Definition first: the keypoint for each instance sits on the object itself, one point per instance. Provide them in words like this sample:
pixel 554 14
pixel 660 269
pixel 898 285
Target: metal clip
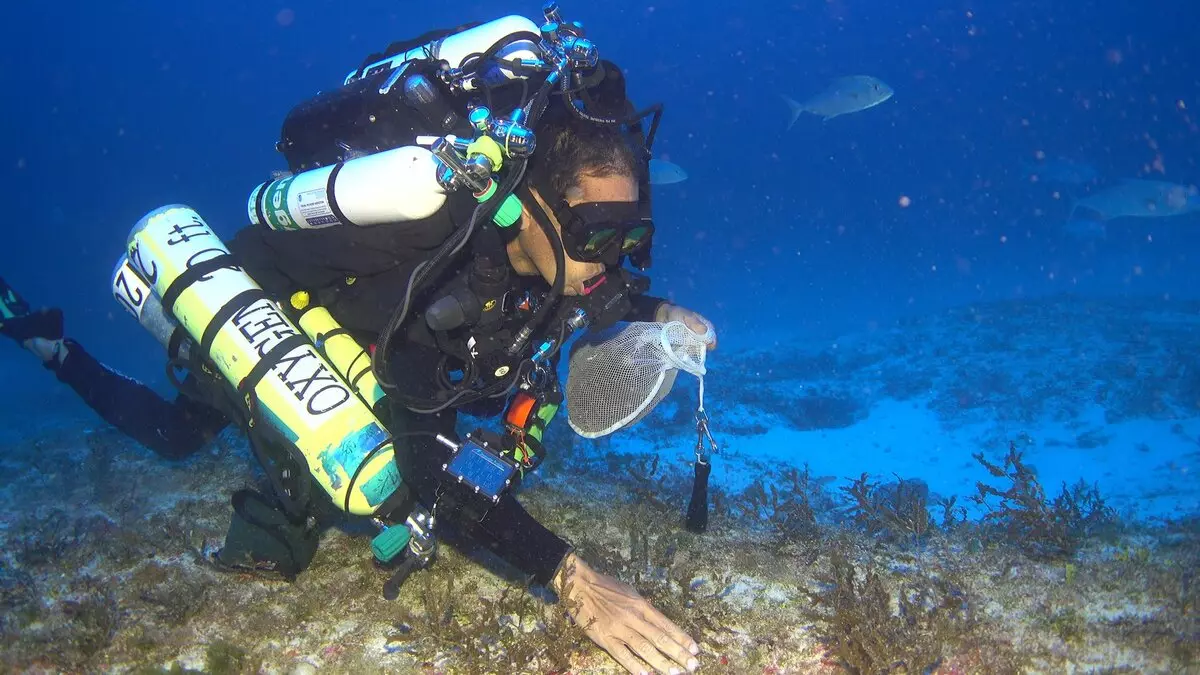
pixel 702 433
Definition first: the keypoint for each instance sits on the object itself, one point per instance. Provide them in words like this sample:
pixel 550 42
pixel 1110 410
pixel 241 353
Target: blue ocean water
pixel 108 105
pixel 910 271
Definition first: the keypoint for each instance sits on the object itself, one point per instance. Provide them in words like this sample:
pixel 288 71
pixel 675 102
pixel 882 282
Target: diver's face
pixel 531 253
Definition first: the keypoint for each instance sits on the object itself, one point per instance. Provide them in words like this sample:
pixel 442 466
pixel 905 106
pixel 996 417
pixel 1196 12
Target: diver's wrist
pixel 563 572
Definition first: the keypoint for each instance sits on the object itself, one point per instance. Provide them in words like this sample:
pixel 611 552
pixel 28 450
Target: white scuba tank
pixel 387 187
pixel 454 49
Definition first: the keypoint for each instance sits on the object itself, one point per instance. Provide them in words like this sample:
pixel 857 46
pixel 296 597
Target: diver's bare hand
pixel 699 325
pixel 621 622
pixel 46 349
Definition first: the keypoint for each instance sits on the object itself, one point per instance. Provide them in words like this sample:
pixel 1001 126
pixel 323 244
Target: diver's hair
pixel 569 148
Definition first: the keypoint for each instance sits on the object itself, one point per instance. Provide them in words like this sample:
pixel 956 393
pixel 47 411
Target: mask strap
pixel 540 215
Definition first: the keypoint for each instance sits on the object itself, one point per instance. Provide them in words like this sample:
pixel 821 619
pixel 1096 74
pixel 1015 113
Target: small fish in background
pixel 1137 198
pixel 1061 170
pixel 663 172
pixel 843 96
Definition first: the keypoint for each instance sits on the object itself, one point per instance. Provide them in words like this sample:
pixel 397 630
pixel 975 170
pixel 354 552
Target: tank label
pixel 353 450
pixel 312 207
pixel 300 370
pixel 130 290
pixel 382 485
pixel 274 205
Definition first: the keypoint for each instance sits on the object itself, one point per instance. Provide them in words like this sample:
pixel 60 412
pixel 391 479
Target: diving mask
pixel 603 231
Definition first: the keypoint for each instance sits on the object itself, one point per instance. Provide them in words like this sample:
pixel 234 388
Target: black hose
pixel 697 511
pixel 562 336
pixel 536 108
pixel 560 278
pixel 583 114
pixel 472 62
pixel 379 362
pixel 485 211
pixel 423 272
pixel 379 359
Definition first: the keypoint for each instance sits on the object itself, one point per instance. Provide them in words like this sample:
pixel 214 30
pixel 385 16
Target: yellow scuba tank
pixel 334 343
pixel 282 377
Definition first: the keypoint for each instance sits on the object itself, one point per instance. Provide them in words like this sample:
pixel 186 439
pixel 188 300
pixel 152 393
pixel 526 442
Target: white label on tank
pixel 313 208
pixel 300 369
pixel 130 290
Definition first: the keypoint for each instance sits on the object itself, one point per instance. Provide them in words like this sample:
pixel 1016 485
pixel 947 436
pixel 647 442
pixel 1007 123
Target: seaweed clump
pixel 895 510
pixel 1043 529
pixel 66 634
pixel 854 617
pixel 513 632
pixel 226 658
pixel 787 508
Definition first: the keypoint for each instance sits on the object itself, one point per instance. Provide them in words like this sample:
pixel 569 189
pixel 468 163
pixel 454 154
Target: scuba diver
pixel 462 205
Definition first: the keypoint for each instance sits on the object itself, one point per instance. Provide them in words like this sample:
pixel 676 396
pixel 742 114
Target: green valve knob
pixel 390 543
pixel 509 212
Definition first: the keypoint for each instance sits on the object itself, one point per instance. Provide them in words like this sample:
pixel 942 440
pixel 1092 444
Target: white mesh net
pixel 617 376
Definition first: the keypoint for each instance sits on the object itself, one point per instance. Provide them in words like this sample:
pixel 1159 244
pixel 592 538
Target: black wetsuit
pixel 173 429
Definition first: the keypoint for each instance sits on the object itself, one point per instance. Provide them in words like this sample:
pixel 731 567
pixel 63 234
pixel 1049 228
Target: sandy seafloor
pixel 99 571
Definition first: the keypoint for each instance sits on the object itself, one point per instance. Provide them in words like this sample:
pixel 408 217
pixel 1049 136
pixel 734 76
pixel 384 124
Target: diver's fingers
pixel 622 655
pixel 646 651
pixel 700 326
pixel 670 639
pixel 676 656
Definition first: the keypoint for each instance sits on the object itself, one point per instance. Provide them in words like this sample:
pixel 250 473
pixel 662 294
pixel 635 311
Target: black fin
pixel 19 322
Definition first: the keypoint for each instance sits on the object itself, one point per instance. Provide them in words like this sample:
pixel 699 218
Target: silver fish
pixel 844 95
pixel 663 172
pixel 1138 198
